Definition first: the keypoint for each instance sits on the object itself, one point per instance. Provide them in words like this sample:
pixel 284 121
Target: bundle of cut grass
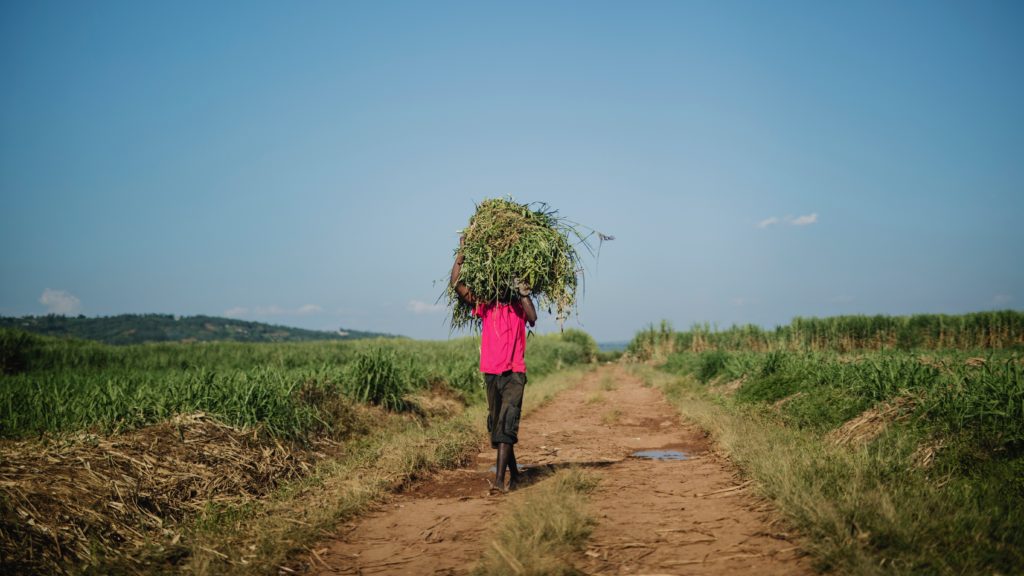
pixel 507 243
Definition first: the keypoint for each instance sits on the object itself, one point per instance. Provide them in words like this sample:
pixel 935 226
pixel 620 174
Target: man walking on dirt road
pixel 502 360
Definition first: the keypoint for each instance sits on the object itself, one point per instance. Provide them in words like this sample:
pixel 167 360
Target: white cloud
pixel 60 302
pixel 805 220
pixel 309 309
pixel 420 307
pixel 236 312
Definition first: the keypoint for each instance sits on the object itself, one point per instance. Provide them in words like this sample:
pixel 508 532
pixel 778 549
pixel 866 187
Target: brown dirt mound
pixel 65 500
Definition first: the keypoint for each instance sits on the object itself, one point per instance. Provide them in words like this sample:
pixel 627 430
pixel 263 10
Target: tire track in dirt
pixel 691 516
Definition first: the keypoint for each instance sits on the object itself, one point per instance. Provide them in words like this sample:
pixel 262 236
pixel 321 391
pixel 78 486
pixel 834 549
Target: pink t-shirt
pixel 502 337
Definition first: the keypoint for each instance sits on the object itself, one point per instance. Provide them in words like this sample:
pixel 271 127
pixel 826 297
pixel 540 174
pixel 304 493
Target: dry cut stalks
pixel 65 502
pixel 872 422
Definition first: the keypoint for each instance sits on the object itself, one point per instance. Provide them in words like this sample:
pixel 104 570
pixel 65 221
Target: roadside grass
pixel 869 507
pixel 263 536
pixel 546 524
pixel 256 540
pixel 596 398
pixel 607 382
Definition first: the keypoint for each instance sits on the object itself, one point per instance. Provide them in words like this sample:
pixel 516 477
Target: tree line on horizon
pixel 126 329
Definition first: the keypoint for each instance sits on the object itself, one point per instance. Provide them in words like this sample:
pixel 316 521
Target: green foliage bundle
pixel 507 243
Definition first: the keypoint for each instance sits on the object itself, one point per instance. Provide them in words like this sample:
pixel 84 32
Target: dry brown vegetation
pixel 86 494
pixel 872 422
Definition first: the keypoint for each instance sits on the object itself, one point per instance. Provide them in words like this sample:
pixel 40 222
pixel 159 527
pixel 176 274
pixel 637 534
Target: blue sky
pixel 310 163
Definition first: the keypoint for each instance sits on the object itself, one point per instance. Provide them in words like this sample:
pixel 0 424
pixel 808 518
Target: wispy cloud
pixel 805 220
pixel 1002 300
pixel 420 307
pixel 60 302
pixel 309 309
pixel 236 312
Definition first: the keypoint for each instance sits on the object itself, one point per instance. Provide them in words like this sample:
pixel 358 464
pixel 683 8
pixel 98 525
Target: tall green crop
pixel 289 390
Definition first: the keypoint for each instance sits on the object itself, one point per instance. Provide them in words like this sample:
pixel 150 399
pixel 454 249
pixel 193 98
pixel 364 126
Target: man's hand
pixel 459 256
pixel 460 287
pixel 524 299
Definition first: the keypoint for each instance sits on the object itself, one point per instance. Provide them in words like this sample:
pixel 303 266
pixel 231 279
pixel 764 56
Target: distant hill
pixel 139 328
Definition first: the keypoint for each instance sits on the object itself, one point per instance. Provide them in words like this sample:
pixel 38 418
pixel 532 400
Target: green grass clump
pixel 506 243
pixel 711 364
pixel 377 376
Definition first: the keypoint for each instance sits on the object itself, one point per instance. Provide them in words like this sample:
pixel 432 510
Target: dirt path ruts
pixel 666 517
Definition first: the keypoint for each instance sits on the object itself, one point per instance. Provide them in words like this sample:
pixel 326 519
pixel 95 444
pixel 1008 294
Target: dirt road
pixel 687 516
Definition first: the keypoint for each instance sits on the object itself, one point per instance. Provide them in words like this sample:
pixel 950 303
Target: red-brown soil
pixel 692 516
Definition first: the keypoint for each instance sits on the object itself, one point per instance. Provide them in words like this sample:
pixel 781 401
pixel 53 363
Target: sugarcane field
pixel 521 289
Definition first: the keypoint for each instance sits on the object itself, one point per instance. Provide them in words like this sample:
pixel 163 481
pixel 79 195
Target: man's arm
pixel 460 287
pixel 529 310
pixel 527 303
